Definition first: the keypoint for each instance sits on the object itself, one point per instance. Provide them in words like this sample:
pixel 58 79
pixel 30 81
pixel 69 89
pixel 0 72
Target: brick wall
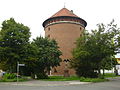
pixel 66 35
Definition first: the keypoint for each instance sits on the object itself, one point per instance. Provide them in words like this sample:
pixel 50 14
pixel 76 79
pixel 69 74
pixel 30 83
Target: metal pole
pixel 17 71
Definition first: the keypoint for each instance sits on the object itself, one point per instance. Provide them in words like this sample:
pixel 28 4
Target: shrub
pixel 82 78
pixel 41 76
pixel 9 76
pixel 86 72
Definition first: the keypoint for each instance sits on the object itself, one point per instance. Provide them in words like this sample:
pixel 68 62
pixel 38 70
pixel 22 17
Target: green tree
pixel 44 54
pixel 94 50
pixel 14 38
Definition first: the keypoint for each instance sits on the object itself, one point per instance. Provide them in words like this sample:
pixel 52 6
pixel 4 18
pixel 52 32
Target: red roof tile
pixel 64 12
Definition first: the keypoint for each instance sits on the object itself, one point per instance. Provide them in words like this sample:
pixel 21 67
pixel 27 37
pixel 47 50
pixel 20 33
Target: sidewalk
pixel 45 83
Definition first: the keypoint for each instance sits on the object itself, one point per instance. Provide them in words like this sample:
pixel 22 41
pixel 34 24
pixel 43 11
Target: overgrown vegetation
pixel 38 56
pixel 45 55
pixel 14 37
pixel 96 51
pixel 11 77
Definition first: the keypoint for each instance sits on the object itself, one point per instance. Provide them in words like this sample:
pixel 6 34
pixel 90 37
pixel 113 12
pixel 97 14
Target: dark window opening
pixel 80 28
pixel 49 28
pixel 80 35
pixel 48 36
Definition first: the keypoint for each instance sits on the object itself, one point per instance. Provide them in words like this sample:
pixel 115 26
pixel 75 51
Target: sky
pixel 33 13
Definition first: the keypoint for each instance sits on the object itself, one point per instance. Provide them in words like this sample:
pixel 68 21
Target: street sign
pixel 18 65
pixel 21 64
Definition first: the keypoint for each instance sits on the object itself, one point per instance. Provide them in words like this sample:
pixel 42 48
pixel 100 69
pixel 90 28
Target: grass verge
pixel 107 75
pixel 82 79
pixel 61 78
pixel 14 80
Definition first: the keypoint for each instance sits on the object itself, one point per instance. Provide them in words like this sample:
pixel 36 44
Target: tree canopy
pixel 39 55
pixel 95 50
pixel 43 55
pixel 13 39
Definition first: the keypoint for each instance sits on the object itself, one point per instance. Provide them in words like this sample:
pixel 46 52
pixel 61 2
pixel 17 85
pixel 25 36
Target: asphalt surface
pixel 113 84
pixel 44 83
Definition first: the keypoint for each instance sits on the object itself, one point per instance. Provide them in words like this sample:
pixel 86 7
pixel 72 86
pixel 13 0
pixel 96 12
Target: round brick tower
pixel 65 27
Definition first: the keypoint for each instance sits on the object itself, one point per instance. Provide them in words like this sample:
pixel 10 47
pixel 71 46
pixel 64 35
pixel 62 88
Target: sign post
pixel 18 65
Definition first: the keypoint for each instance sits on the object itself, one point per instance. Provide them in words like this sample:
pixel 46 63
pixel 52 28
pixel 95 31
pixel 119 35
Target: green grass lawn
pixel 82 79
pixel 61 78
pixel 110 75
pixel 14 80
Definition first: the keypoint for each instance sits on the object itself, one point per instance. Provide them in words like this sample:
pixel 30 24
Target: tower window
pixel 80 28
pixel 48 36
pixel 80 35
pixel 49 29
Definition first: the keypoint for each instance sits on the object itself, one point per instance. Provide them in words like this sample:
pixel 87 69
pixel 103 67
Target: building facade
pixel 65 27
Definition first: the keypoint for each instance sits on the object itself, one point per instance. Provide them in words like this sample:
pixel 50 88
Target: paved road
pixel 114 84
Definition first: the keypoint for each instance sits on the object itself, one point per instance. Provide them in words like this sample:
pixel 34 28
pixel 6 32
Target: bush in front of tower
pixel 41 76
pixel 86 72
pixel 83 69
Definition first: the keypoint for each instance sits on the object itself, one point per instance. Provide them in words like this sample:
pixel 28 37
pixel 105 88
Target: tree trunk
pixel 103 73
pixel 33 75
pixel 99 73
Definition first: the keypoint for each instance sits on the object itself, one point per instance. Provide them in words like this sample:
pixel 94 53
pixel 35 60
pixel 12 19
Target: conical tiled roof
pixel 64 12
pixel 64 15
